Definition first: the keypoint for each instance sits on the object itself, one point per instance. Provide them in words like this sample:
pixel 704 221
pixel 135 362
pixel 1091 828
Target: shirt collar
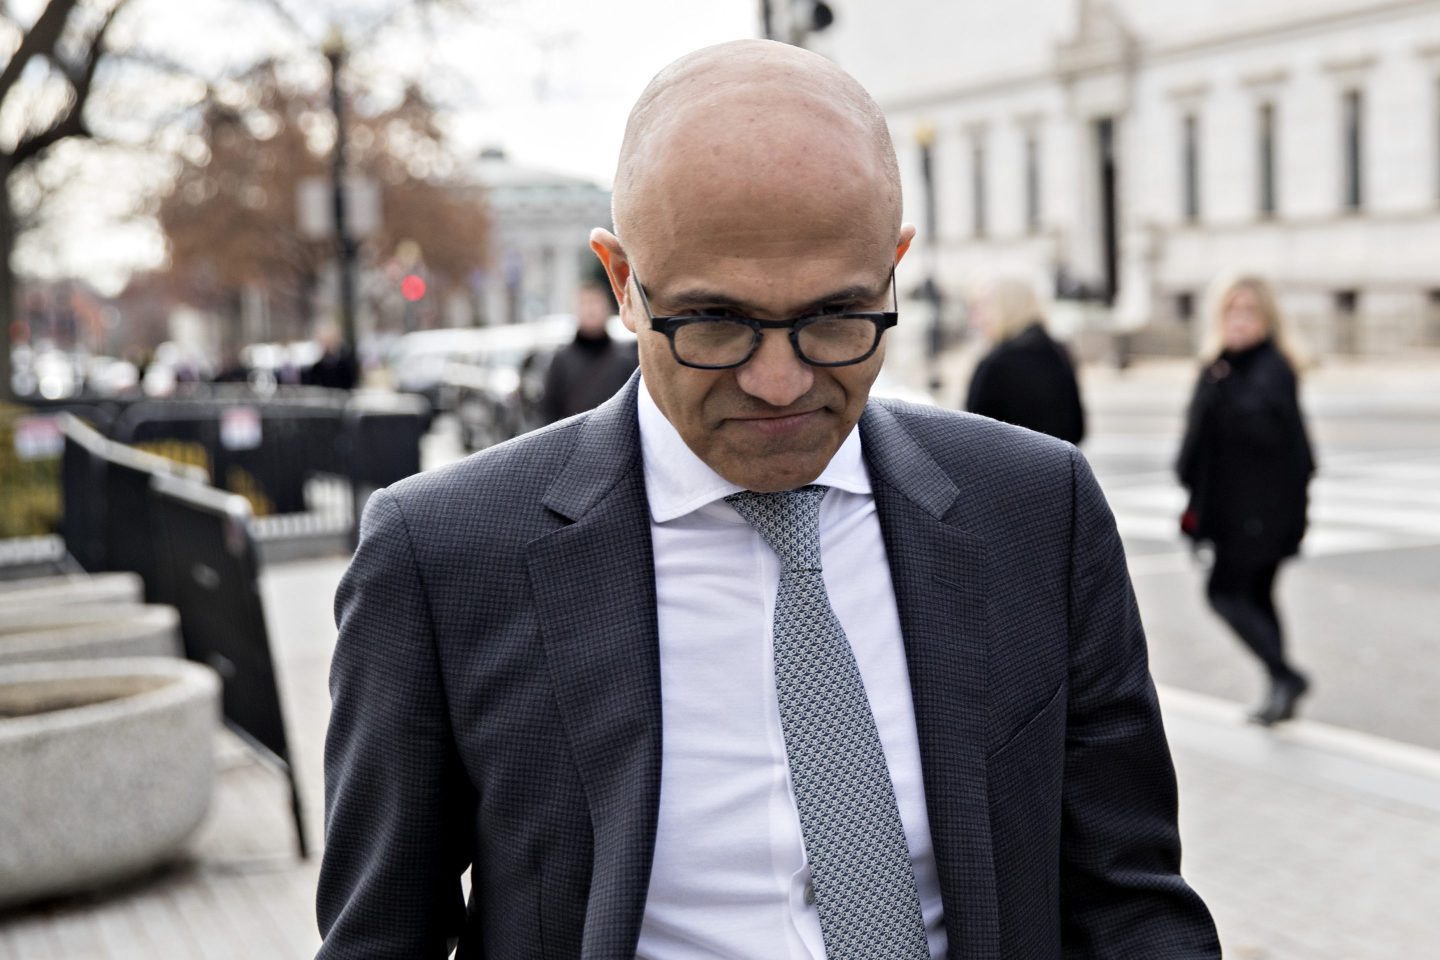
pixel 678 482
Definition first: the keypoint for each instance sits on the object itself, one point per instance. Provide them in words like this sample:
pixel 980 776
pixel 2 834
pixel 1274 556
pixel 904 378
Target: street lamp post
pixel 345 245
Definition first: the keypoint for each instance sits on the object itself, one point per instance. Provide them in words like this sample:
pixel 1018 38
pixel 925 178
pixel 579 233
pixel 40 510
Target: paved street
pixel 1320 841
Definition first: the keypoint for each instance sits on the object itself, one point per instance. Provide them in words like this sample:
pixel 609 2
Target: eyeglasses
pixel 718 341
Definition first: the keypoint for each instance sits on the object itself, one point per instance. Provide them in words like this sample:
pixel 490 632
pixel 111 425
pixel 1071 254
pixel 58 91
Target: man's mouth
pixel 775 424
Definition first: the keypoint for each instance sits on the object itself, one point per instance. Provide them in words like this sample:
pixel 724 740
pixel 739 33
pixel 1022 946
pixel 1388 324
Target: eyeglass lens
pixel 836 339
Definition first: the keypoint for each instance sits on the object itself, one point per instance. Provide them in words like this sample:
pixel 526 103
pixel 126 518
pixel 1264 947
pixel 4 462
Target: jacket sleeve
pixel 1121 893
pixel 1197 414
pixel 398 807
pixel 1076 402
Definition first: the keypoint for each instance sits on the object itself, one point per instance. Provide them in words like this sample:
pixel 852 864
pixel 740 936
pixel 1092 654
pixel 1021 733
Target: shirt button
pixel 810 893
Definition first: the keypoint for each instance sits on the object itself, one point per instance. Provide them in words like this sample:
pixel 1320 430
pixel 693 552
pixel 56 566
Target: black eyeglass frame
pixel 882 319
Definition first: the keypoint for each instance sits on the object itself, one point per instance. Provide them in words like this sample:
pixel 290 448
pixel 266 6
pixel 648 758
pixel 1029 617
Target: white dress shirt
pixel 729 874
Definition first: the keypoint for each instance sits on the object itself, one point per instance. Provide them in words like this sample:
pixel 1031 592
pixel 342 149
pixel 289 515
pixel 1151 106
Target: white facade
pixel 540 225
pixel 1356 258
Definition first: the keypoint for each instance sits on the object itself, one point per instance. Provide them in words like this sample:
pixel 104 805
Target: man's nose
pixel 775 374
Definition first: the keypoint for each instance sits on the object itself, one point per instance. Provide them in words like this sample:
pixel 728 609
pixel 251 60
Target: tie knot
pixel 789 522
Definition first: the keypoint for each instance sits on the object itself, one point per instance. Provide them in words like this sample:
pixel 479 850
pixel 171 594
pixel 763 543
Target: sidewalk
pixel 1309 843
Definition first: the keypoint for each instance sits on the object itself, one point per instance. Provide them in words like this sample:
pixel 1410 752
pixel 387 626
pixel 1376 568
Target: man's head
pixel 592 308
pixel 755 179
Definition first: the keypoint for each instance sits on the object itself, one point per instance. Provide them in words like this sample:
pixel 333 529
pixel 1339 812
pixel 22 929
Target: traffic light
pixel 412 288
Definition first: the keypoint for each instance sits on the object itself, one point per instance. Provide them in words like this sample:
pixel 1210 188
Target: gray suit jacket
pixel 497 703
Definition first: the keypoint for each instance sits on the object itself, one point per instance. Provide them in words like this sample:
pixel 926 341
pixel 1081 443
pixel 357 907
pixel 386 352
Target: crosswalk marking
pixel 1359 502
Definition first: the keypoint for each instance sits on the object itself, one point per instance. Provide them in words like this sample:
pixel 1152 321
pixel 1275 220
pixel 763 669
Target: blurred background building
pixel 1124 153
pixel 540 225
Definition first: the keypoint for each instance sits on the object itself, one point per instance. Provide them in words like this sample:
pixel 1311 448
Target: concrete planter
pixel 72 589
pixel 88 631
pixel 108 769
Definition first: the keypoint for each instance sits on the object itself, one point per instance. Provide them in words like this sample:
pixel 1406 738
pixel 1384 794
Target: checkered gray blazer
pixel 496 692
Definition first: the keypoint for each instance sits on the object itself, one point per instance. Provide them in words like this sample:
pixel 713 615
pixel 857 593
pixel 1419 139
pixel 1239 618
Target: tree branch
pixel 39 40
pixel 72 122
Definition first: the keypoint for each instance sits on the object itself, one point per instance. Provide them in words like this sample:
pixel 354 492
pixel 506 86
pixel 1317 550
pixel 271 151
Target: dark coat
pixel 1246 459
pixel 584 374
pixel 496 701
pixel 1028 380
pixel 335 369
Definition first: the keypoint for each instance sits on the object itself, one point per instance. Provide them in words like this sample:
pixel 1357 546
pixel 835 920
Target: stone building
pixel 540 239
pixel 1130 151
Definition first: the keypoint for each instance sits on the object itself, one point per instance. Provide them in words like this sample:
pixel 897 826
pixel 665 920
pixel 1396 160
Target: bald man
pixel 742 663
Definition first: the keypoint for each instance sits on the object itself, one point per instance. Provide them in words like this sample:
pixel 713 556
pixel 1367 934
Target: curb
pixel 1307 751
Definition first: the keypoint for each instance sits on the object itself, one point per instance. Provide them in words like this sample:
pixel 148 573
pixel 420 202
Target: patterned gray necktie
pixel 859 864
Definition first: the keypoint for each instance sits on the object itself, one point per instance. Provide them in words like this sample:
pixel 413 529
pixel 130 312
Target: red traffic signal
pixel 412 288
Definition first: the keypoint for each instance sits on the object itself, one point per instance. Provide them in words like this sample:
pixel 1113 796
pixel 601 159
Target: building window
pixel 977 183
pixel 1190 166
pixel 1353 118
pixel 1032 182
pixel 1265 144
pixel 1185 307
pixel 1432 325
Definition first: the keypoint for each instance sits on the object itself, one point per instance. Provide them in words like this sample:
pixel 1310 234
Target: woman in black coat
pixel 1246 461
pixel 1027 378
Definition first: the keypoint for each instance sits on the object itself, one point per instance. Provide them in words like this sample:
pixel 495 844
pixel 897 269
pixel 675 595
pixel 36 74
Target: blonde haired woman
pixel 1246 461
pixel 1027 378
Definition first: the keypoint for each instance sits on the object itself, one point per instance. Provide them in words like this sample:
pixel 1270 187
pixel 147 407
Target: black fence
pixel 192 546
pixel 210 571
pixel 109 514
pixel 302 453
pixel 265 452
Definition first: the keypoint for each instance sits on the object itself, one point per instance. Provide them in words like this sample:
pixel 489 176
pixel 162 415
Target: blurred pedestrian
pixel 336 367
pixel 1246 461
pixel 232 368
pixel 1027 378
pixel 587 371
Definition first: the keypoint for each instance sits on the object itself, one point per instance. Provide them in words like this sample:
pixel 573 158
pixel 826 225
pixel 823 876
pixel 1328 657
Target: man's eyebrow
pixel 697 297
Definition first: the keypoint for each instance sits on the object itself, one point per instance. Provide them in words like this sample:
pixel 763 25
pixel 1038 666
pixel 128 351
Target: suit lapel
pixel 594 584
pixel 938 571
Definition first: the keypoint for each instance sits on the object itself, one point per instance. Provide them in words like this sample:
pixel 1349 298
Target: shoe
pixel 1280 704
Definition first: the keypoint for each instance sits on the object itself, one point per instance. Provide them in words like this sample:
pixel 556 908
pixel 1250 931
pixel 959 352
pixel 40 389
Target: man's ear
pixel 907 234
pixel 612 256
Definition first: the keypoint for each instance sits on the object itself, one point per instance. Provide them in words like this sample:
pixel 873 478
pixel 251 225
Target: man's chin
pixel 772 473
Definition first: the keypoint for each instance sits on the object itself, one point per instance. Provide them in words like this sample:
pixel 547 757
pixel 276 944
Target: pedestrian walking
pixel 336 367
pixel 589 369
pixel 1246 462
pixel 1026 378
pixel 744 663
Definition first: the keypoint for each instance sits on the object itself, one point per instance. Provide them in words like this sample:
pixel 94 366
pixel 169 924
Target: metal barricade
pixel 109 521
pixel 382 443
pixel 212 574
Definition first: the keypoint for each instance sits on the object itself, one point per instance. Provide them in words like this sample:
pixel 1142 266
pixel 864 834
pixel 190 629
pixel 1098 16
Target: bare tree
pixel 230 219
pixel 65 44
pixel 49 92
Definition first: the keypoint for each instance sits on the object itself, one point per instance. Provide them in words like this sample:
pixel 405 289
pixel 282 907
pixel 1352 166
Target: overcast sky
pixel 552 81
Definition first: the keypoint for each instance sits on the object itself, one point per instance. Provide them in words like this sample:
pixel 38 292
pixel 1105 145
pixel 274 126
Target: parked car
pixel 417 360
pixel 495 391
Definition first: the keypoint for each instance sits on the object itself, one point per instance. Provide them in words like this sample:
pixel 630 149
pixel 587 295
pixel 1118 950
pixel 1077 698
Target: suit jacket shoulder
pixel 490 504
pixel 1004 474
